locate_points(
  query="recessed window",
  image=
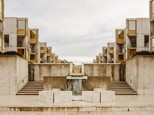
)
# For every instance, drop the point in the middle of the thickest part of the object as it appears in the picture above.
(6, 39)
(32, 56)
(21, 24)
(132, 25)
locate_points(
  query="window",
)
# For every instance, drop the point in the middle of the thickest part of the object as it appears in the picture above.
(146, 40)
(32, 56)
(120, 57)
(132, 25)
(21, 24)
(6, 39)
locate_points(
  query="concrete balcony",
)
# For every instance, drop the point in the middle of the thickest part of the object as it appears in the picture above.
(120, 41)
(33, 40)
(48, 54)
(21, 32)
(105, 54)
(111, 50)
(22, 51)
(43, 50)
(120, 58)
(131, 32)
(131, 52)
(42, 61)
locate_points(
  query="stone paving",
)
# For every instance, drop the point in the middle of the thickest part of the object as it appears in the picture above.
(138, 105)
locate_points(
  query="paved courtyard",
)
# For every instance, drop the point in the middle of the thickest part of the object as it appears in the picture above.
(138, 105)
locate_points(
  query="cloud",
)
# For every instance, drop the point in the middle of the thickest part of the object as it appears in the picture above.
(77, 29)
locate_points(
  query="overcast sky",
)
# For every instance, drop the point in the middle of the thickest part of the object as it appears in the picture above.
(77, 29)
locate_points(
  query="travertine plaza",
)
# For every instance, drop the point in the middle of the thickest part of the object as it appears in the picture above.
(33, 80)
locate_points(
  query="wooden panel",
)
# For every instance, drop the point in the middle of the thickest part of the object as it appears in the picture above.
(21, 32)
(131, 32)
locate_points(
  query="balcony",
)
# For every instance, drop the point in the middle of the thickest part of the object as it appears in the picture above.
(43, 50)
(33, 40)
(111, 50)
(48, 54)
(22, 51)
(42, 61)
(105, 54)
(120, 58)
(131, 52)
(33, 35)
(120, 41)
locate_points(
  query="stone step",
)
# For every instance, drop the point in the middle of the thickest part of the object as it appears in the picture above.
(128, 87)
(122, 88)
(27, 93)
(125, 93)
(32, 89)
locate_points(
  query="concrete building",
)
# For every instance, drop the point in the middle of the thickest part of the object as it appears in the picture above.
(137, 35)
(16, 35)
(104, 57)
(151, 12)
(1, 25)
(49, 53)
(43, 52)
(110, 52)
(120, 37)
(34, 52)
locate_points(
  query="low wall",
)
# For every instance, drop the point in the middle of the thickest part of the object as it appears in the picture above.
(41, 70)
(140, 74)
(13, 74)
(96, 82)
(110, 70)
(51, 82)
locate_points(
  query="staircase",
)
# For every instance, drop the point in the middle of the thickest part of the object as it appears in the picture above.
(122, 88)
(31, 88)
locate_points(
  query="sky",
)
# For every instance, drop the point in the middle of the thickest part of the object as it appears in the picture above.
(77, 29)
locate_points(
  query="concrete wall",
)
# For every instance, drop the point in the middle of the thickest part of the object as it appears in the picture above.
(143, 28)
(13, 74)
(41, 70)
(108, 70)
(139, 74)
(96, 82)
(51, 82)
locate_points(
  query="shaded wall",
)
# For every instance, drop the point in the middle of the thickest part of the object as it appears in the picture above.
(102, 70)
(140, 74)
(13, 74)
(41, 70)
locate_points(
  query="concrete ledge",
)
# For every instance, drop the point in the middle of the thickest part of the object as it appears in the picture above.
(107, 96)
(46, 96)
(62, 96)
(91, 96)
(55, 96)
